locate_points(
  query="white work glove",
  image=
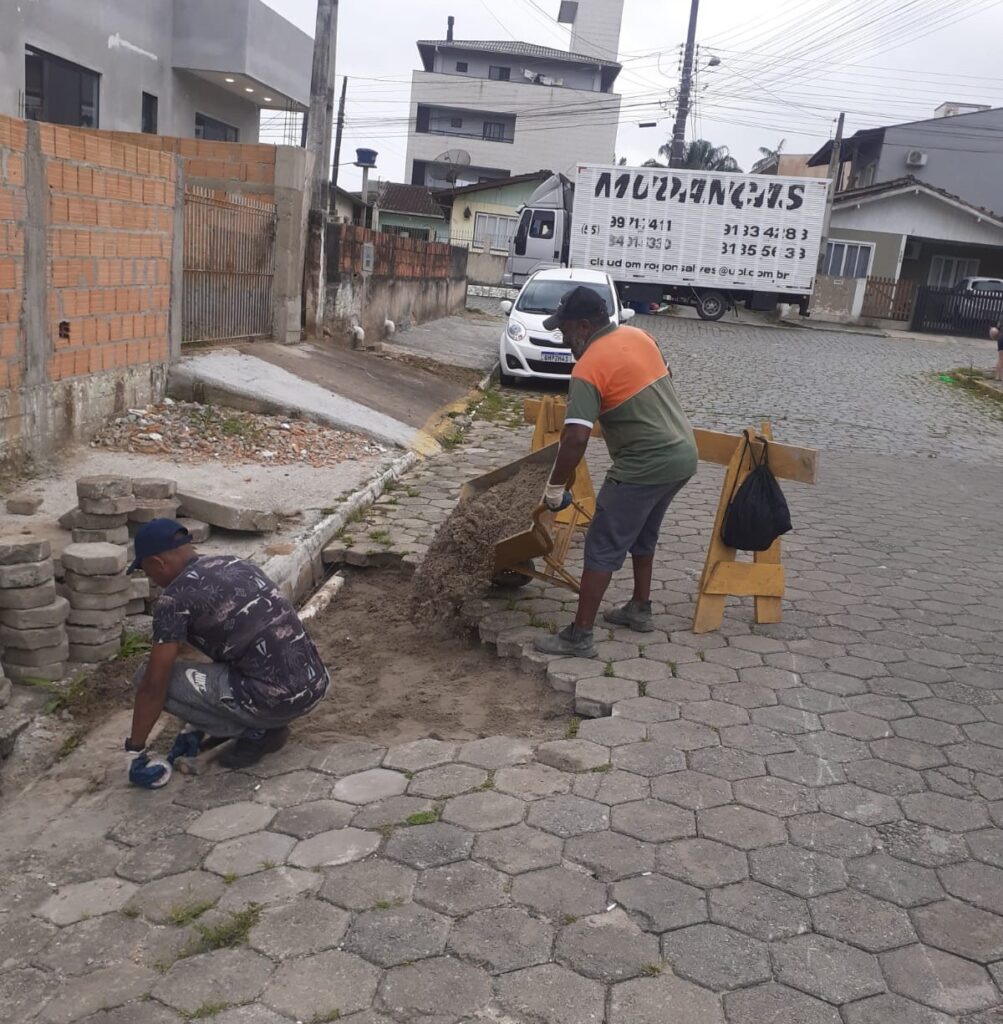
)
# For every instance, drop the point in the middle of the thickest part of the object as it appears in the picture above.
(557, 497)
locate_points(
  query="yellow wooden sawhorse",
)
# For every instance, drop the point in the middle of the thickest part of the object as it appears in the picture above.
(723, 574)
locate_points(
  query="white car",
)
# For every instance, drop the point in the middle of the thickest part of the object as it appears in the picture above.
(528, 351)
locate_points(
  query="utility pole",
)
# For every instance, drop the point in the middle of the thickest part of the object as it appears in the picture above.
(835, 164)
(678, 149)
(318, 142)
(338, 133)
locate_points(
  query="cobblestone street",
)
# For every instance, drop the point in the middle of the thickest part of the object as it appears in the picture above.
(788, 824)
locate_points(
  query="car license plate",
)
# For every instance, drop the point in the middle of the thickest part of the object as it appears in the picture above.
(556, 357)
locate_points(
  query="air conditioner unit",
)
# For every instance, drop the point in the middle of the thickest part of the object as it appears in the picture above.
(912, 249)
(915, 158)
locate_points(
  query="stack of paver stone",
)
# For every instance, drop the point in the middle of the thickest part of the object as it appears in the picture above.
(32, 617)
(156, 498)
(102, 513)
(99, 592)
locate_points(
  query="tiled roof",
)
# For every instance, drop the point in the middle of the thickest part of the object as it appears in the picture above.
(517, 49)
(412, 199)
(850, 196)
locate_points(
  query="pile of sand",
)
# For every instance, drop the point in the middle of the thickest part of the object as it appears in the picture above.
(461, 558)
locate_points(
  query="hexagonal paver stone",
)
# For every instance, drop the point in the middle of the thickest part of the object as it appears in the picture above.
(231, 821)
(86, 899)
(395, 810)
(563, 673)
(646, 710)
(106, 988)
(777, 1004)
(649, 759)
(612, 732)
(369, 786)
(168, 856)
(610, 856)
(420, 755)
(829, 834)
(461, 888)
(397, 935)
(447, 780)
(480, 812)
(939, 980)
(921, 844)
(532, 781)
(613, 787)
(716, 957)
(987, 846)
(775, 796)
(23, 991)
(828, 969)
(661, 999)
(313, 987)
(255, 1013)
(573, 755)
(553, 994)
(759, 911)
(860, 727)
(694, 790)
(350, 758)
(702, 862)
(608, 947)
(908, 753)
(312, 818)
(428, 846)
(296, 929)
(653, 821)
(517, 849)
(502, 940)
(961, 929)
(892, 1009)
(559, 893)
(874, 925)
(947, 812)
(790, 720)
(727, 763)
(363, 885)
(978, 884)
(568, 816)
(883, 777)
(156, 1013)
(224, 976)
(805, 769)
(23, 938)
(798, 871)
(888, 878)
(597, 696)
(438, 989)
(291, 788)
(247, 854)
(268, 887)
(860, 805)
(683, 735)
(495, 752)
(715, 713)
(740, 826)
(659, 903)
(157, 901)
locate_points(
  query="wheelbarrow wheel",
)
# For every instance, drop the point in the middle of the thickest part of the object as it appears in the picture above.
(512, 579)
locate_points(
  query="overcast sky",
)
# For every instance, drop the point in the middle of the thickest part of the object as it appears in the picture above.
(787, 66)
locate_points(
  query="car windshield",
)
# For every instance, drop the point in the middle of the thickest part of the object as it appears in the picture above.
(544, 296)
(987, 286)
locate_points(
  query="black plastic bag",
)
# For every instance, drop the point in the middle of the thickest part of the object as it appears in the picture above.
(757, 513)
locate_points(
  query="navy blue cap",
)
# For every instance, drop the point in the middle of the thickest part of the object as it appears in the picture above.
(156, 537)
(580, 303)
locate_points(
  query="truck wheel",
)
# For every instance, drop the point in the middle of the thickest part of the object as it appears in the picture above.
(711, 306)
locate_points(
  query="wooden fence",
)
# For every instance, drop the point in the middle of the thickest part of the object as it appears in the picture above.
(888, 299)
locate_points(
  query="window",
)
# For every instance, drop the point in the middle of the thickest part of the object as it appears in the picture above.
(947, 271)
(493, 232)
(149, 114)
(57, 91)
(847, 259)
(461, 66)
(542, 225)
(498, 74)
(214, 131)
(494, 130)
(456, 122)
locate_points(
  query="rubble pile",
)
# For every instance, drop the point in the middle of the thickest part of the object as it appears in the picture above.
(200, 433)
(33, 637)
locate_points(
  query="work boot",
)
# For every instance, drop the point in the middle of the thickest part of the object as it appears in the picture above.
(635, 615)
(253, 746)
(571, 641)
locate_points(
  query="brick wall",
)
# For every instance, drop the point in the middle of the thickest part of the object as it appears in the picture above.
(12, 213)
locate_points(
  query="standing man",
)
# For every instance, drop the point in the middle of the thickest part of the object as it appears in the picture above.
(264, 671)
(620, 379)
(996, 334)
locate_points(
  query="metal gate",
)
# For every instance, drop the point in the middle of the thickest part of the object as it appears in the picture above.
(946, 311)
(888, 298)
(229, 262)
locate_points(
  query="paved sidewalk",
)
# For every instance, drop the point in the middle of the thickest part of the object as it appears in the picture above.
(793, 824)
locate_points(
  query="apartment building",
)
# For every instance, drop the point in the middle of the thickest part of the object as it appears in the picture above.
(188, 68)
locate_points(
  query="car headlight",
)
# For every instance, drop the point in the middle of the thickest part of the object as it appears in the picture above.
(516, 331)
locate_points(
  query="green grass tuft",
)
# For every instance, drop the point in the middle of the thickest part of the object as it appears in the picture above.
(185, 913)
(423, 818)
(572, 730)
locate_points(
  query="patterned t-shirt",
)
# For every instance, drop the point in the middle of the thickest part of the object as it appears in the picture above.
(235, 615)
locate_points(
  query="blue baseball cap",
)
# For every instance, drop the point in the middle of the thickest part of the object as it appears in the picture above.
(156, 537)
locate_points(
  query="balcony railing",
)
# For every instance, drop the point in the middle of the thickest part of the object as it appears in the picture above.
(457, 133)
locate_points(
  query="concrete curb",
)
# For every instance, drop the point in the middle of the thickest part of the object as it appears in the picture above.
(300, 573)
(485, 382)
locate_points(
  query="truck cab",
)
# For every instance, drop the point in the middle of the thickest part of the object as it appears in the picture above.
(540, 241)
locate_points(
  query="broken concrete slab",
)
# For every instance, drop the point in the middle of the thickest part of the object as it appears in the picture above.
(233, 514)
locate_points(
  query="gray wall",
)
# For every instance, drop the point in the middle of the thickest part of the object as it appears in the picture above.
(964, 155)
(478, 63)
(473, 122)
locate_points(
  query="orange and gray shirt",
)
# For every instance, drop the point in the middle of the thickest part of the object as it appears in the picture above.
(622, 381)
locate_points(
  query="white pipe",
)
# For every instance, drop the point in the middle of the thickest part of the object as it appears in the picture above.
(390, 327)
(322, 598)
(358, 334)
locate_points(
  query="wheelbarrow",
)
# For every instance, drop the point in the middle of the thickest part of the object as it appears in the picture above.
(543, 539)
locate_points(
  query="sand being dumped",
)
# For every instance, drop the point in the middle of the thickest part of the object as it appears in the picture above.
(460, 560)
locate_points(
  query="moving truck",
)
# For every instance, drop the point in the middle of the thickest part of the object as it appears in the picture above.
(698, 238)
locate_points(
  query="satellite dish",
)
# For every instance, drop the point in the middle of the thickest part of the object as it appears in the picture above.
(450, 164)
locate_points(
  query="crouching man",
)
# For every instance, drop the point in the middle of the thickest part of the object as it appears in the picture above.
(264, 672)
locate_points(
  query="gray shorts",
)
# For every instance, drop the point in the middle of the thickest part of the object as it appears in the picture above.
(628, 518)
(199, 693)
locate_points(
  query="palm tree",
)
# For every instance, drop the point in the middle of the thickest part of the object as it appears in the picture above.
(770, 162)
(702, 155)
